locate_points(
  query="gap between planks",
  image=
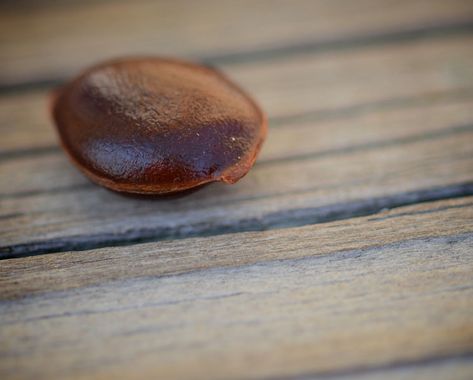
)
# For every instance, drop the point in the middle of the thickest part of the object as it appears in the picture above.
(430, 157)
(298, 302)
(68, 270)
(285, 219)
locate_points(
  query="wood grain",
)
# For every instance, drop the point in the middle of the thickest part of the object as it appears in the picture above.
(71, 270)
(52, 42)
(389, 293)
(45, 203)
(395, 136)
(441, 368)
(301, 87)
(345, 253)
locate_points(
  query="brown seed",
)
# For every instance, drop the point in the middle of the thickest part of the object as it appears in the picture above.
(157, 126)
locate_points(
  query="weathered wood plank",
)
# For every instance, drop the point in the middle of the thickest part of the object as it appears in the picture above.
(357, 126)
(71, 270)
(358, 295)
(302, 87)
(441, 368)
(51, 42)
(47, 206)
(415, 96)
(305, 82)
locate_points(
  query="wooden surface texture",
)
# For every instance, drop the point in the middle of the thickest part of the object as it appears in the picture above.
(346, 252)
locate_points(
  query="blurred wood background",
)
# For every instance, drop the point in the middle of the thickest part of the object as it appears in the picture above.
(347, 252)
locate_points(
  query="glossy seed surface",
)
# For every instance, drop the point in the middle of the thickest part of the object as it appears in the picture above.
(157, 126)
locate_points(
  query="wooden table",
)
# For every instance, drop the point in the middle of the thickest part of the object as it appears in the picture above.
(347, 252)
